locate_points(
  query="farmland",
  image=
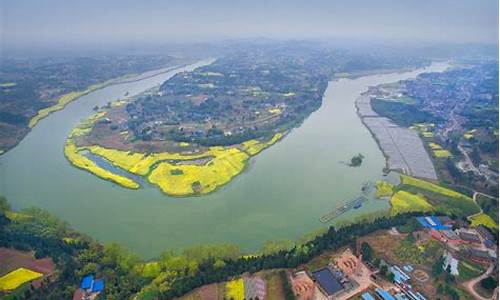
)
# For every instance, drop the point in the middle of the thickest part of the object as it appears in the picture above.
(35, 87)
(16, 278)
(485, 220)
(440, 198)
(403, 201)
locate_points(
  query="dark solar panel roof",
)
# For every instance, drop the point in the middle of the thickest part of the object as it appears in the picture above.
(327, 281)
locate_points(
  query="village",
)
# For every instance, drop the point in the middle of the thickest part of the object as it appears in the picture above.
(383, 275)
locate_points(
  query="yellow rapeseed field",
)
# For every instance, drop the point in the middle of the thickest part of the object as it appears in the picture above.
(73, 154)
(63, 101)
(202, 179)
(435, 146)
(384, 189)
(419, 183)
(254, 147)
(16, 278)
(442, 153)
(235, 289)
(483, 219)
(403, 201)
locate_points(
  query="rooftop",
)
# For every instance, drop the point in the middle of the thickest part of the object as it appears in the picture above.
(327, 281)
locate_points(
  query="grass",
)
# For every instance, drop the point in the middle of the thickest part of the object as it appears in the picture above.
(73, 154)
(63, 100)
(384, 189)
(485, 220)
(235, 289)
(466, 271)
(427, 253)
(403, 201)
(274, 288)
(16, 278)
(442, 153)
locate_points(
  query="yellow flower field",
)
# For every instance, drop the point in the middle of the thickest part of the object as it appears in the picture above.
(442, 153)
(235, 289)
(419, 183)
(404, 201)
(64, 100)
(384, 189)
(16, 278)
(435, 146)
(254, 147)
(80, 161)
(483, 219)
(199, 179)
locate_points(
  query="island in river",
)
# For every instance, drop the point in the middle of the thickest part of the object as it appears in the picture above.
(198, 130)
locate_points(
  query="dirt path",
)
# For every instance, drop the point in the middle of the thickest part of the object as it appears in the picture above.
(469, 285)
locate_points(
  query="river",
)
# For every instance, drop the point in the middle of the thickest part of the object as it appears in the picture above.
(280, 196)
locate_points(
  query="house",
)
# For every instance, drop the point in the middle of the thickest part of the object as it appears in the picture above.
(445, 220)
(90, 288)
(485, 233)
(480, 256)
(432, 222)
(367, 296)
(384, 294)
(452, 262)
(469, 237)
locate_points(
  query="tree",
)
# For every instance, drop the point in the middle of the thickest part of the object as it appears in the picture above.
(366, 251)
(489, 283)
(437, 267)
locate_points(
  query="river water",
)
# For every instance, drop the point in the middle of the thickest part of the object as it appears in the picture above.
(280, 196)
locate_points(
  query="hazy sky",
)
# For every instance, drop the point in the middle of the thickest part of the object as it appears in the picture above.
(96, 21)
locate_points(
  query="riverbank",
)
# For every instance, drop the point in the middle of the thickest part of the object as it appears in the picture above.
(402, 147)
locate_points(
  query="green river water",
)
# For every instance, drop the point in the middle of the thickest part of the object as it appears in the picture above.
(280, 196)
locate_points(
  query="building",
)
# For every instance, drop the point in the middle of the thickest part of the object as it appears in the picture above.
(432, 222)
(328, 284)
(485, 233)
(384, 294)
(90, 288)
(445, 220)
(480, 256)
(367, 296)
(469, 237)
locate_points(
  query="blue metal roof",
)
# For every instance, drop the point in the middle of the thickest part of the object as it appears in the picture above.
(432, 222)
(327, 281)
(87, 282)
(367, 296)
(98, 285)
(384, 294)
